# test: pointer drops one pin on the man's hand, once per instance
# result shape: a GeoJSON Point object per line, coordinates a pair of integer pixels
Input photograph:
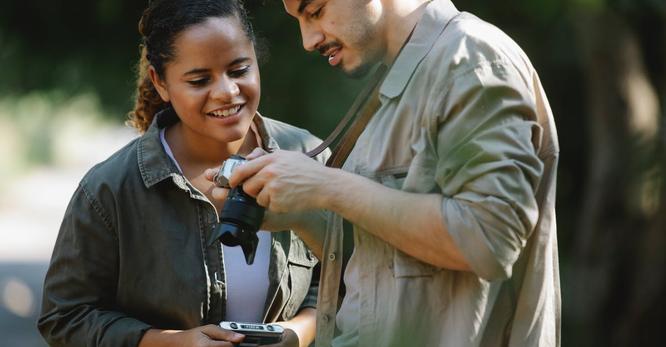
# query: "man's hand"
{"type": "Point", "coordinates": [283, 181]}
{"type": "Point", "coordinates": [282, 214]}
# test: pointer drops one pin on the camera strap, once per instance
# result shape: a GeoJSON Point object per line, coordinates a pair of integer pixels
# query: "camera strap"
{"type": "Point", "coordinates": [359, 114]}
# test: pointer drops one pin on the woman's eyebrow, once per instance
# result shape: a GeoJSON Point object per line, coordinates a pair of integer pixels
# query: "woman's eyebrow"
{"type": "Point", "coordinates": [196, 71]}
{"type": "Point", "coordinates": [236, 61]}
{"type": "Point", "coordinates": [239, 60]}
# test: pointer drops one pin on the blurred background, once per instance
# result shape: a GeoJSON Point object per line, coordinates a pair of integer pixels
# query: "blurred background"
{"type": "Point", "coordinates": [67, 82]}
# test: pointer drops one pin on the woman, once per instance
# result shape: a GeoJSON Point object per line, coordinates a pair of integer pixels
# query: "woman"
{"type": "Point", "coordinates": [137, 260]}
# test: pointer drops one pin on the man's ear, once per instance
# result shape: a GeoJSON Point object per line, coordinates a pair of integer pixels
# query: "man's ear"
{"type": "Point", "coordinates": [160, 86]}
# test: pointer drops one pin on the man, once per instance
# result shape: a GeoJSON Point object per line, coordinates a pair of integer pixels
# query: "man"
{"type": "Point", "coordinates": [450, 188]}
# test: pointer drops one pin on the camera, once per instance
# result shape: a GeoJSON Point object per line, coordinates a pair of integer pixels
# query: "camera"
{"type": "Point", "coordinates": [256, 334]}
{"type": "Point", "coordinates": [241, 215]}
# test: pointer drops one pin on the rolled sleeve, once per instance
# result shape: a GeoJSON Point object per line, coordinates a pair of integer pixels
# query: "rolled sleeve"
{"type": "Point", "coordinates": [488, 169]}
{"type": "Point", "coordinates": [79, 289]}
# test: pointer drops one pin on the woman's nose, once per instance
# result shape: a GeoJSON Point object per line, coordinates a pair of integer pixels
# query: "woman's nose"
{"type": "Point", "coordinates": [225, 89]}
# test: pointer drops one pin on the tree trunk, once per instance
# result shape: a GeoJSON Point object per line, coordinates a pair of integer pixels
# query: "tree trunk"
{"type": "Point", "coordinates": [605, 296]}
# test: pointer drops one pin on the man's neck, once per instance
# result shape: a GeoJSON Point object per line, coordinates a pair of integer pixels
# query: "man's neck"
{"type": "Point", "coordinates": [402, 16]}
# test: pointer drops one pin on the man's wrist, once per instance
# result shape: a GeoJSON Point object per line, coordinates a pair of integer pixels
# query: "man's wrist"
{"type": "Point", "coordinates": [327, 193]}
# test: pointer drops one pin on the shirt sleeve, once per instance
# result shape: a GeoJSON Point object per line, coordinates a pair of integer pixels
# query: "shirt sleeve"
{"type": "Point", "coordinates": [487, 167]}
{"type": "Point", "coordinates": [80, 285]}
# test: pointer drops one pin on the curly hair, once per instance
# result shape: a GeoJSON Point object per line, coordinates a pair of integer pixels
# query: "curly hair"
{"type": "Point", "coordinates": [159, 25]}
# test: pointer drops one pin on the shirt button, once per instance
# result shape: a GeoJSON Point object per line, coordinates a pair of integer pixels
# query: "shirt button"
{"type": "Point", "coordinates": [331, 256]}
{"type": "Point", "coordinates": [325, 318]}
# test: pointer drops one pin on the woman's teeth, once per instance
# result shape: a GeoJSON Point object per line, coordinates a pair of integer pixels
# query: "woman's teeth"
{"type": "Point", "coordinates": [225, 113]}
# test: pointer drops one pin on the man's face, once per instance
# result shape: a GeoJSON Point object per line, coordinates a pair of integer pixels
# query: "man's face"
{"type": "Point", "coordinates": [347, 32]}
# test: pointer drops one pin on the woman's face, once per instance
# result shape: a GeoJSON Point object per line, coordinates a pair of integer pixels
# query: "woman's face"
{"type": "Point", "coordinates": [213, 80]}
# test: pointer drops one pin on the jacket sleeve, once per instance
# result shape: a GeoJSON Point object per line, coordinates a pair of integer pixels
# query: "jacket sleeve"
{"type": "Point", "coordinates": [311, 297]}
{"type": "Point", "coordinates": [488, 168]}
{"type": "Point", "coordinates": [80, 285]}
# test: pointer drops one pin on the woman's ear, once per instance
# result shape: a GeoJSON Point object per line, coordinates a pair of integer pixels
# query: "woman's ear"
{"type": "Point", "coordinates": [160, 86]}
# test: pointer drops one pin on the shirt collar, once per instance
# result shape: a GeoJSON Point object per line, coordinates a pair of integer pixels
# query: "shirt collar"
{"type": "Point", "coordinates": [154, 163]}
{"type": "Point", "coordinates": [437, 14]}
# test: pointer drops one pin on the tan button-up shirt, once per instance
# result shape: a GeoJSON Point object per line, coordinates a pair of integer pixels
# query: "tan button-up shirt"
{"type": "Point", "coordinates": [463, 114]}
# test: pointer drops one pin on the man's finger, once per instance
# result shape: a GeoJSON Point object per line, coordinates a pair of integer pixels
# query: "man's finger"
{"type": "Point", "coordinates": [263, 198]}
{"type": "Point", "coordinates": [250, 168]}
{"type": "Point", "coordinates": [256, 153]}
{"type": "Point", "coordinates": [254, 185]}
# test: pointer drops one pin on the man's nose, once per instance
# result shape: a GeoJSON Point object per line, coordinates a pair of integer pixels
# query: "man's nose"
{"type": "Point", "coordinates": [312, 37]}
{"type": "Point", "coordinates": [225, 89]}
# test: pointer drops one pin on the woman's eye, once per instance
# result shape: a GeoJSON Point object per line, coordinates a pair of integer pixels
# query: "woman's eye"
{"type": "Point", "coordinates": [198, 82]}
{"type": "Point", "coordinates": [239, 72]}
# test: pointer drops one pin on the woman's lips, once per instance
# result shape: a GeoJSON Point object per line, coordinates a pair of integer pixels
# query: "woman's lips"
{"type": "Point", "coordinates": [226, 112]}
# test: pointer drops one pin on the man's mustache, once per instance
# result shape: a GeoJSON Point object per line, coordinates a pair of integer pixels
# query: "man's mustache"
{"type": "Point", "coordinates": [328, 46]}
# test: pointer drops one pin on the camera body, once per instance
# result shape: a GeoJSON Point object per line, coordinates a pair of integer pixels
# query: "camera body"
{"type": "Point", "coordinates": [241, 215]}
{"type": "Point", "coordinates": [256, 334]}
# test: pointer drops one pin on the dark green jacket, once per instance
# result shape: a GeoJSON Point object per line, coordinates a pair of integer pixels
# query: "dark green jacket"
{"type": "Point", "coordinates": [136, 250]}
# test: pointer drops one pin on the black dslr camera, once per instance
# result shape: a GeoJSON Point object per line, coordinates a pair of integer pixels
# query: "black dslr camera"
{"type": "Point", "coordinates": [241, 215]}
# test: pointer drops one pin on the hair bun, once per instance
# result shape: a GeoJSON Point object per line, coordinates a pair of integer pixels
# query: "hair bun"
{"type": "Point", "coordinates": [144, 23]}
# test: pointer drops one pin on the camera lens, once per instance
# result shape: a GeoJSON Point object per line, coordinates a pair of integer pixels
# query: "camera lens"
{"type": "Point", "coordinates": [240, 220]}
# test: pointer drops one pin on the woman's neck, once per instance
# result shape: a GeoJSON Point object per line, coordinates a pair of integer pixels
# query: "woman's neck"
{"type": "Point", "coordinates": [194, 153]}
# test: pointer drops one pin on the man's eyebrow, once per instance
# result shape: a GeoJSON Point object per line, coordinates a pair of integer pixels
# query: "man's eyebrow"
{"type": "Point", "coordinates": [303, 5]}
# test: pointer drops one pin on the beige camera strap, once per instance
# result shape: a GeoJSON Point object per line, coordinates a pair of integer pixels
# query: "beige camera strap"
{"type": "Point", "coordinates": [360, 113]}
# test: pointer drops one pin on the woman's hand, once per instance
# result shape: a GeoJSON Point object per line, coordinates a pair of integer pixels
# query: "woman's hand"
{"type": "Point", "coordinates": [300, 330]}
{"type": "Point", "coordinates": [289, 339]}
{"type": "Point", "coordinates": [204, 336]}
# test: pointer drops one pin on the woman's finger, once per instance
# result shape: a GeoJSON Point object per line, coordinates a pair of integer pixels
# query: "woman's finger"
{"type": "Point", "coordinates": [210, 173]}
{"type": "Point", "coordinates": [217, 333]}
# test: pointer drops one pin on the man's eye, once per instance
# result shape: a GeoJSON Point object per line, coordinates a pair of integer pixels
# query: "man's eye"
{"type": "Point", "coordinates": [198, 82]}
{"type": "Point", "coordinates": [239, 72]}
{"type": "Point", "coordinates": [316, 14]}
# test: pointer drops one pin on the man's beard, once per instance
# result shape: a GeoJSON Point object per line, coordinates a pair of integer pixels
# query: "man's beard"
{"type": "Point", "coordinates": [361, 71]}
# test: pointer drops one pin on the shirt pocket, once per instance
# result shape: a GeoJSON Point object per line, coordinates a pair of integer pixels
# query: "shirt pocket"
{"type": "Point", "coordinates": [404, 265]}
{"type": "Point", "coordinates": [300, 264]}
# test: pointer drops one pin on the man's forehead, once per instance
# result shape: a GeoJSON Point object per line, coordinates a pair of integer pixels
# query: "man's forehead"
{"type": "Point", "coordinates": [296, 7]}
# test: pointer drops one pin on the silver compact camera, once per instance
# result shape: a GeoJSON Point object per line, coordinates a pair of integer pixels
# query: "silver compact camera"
{"type": "Point", "coordinates": [256, 334]}
{"type": "Point", "coordinates": [224, 174]}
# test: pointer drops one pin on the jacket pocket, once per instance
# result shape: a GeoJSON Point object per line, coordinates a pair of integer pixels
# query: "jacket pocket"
{"type": "Point", "coordinates": [300, 264]}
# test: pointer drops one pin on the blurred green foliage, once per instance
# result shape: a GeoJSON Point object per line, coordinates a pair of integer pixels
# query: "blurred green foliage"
{"type": "Point", "coordinates": [52, 52]}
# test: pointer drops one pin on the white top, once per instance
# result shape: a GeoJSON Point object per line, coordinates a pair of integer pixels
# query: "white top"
{"type": "Point", "coordinates": [247, 285]}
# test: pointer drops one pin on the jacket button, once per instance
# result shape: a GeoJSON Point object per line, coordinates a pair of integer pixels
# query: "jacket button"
{"type": "Point", "coordinates": [331, 256]}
